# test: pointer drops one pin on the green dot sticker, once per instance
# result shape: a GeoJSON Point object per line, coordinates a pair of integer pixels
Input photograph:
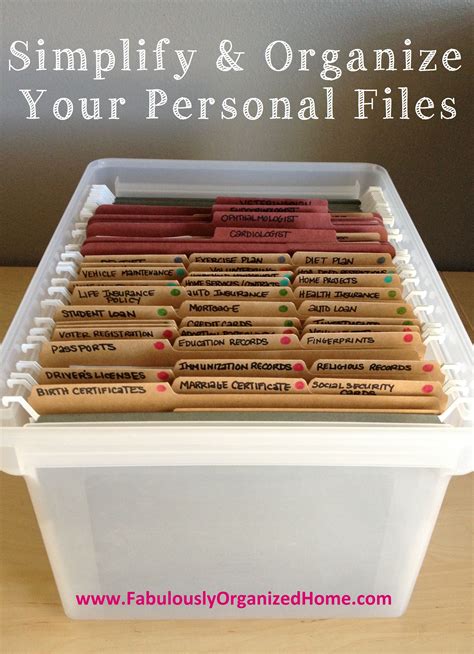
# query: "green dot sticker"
{"type": "Point", "coordinates": [175, 292]}
{"type": "Point", "coordinates": [180, 272]}
{"type": "Point", "coordinates": [392, 294]}
{"type": "Point", "coordinates": [170, 283]}
{"type": "Point", "coordinates": [284, 282]}
{"type": "Point", "coordinates": [407, 322]}
{"type": "Point", "coordinates": [288, 323]}
{"type": "Point", "coordinates": [283, 308]}
{"type": "Point", "coordinates": [161, 312]}
{"type": "Point", "coordinates": [381, 260]}
{"type": "Point", "coordinates": [388, 279]}
{"type": "Point", "coordinates": [401, 310]}
{"type": "Point", "coordinates": [283, 291]}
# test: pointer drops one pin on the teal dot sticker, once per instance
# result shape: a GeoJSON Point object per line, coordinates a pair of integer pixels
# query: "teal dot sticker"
{"type": "Point", "coordinates": [171, 283]}
{"type": "Point", "coordinates": [288, 323]}
{"type": "Point", "coordinates": [284, 282]}
{"type": "Point", "coordinates": [388, 279]}
{"type": "Point", "coordinates": [175, 292]}
{"type": "Point", "coordinates": [401, 310]}
{"type": "Point", "coordinates": [381, 260]}
{"type": "Point", "coordinates": [392, 294]}
{"type": "Point", "coordinates": [161, 312]}
{"type": "Point", "coordinates": [283, 291]}
{"type": "Point", "coordinates": [283, 308]}
{"type": "Point", "coordinates": [287, 273]}
{"type": "Point", "coordinates": [407, 322]}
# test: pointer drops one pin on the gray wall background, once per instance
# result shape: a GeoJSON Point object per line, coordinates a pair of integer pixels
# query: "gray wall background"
{"type": "Point", "coordinates": [429, 161]}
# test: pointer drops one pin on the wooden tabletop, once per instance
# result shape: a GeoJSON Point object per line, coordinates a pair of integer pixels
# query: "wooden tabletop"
{"type": "Point", "coordinates": [438, 620]}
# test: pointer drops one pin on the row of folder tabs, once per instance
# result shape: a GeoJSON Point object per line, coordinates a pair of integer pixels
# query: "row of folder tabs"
{"type": "Point", "coordinates": [235, 304]}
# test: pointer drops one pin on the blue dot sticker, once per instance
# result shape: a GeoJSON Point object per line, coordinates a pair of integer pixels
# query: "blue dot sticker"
{"type": "Point", "coordinates": [281, 259]}
{"type": "Point", "coordinates": [381, 260]}
{"type": "Point", "coordinates": [178, 260]}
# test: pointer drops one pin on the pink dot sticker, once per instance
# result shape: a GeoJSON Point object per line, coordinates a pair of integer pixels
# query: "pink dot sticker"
{"type": "Point", "coordinates": [163, 375]}
{"type": "Point", "coordinates": [299, 367]}
{"type": "Point", "coordinates": [285, 340]}
{"type": "Point", "coordinates": [428, 367]}
{"type": "Point", "coordinates": [167, 333]}
{"type": "Point", "coordinates": [160, 388]}
{"type": "Point", "coordinates": [408, 338]}
{"type": "Point", "coordinates": [427, 388]}
{"type": "Point", "coordinates": [159, 345]}
{"type": "Point", "coordinates": [300, 385]}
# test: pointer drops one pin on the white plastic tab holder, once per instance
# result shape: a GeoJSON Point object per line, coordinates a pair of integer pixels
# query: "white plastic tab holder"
{"type": "Point", "coordinates": [7, 400]}
{"type": "Point", "coordinates": [60, 291]}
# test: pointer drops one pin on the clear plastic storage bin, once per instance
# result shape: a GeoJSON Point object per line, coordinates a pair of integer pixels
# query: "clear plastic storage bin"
{"type": "Point", "coordinates": [238, 503]}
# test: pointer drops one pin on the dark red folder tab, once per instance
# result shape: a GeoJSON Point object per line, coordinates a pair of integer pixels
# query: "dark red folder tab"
{"type": "Point", "coordinates": [150, 218]}
{"type": "Point", "coordinates": [280, 219]}
{"type": "Point", "coordinates": [153, 229]}
{"type": "Point", "coordinates": [145, 209]}
{"type": "Point", "coordinates": [222, 199]}
{"type": "Point", "coordinates": [269, 208]}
